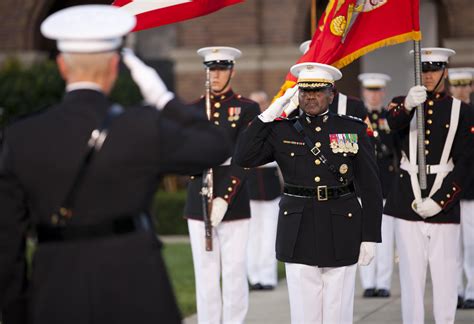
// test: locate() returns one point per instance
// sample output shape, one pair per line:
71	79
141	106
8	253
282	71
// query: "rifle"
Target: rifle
207	191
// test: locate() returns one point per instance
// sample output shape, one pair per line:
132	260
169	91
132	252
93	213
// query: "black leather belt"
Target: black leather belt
321	193
124	225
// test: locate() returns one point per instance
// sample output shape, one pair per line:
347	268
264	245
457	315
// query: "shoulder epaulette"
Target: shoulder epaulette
242	98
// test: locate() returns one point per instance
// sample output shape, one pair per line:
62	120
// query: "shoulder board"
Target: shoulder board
352	118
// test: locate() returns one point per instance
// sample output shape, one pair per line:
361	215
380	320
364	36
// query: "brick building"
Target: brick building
267	31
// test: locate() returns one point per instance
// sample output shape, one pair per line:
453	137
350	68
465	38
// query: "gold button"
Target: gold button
430	103
454	188
430	112
318	129
317	179
429	121
192	177
317	162
216	122
318	144
216	115
427	152
374	125
54	219
428	132
234	181
427	142
375	116
448	196
292	154
217	105
349	215
226	196
229	189
442	202
438	95
447	125
390	168
285	212
233	125
401	175
222	97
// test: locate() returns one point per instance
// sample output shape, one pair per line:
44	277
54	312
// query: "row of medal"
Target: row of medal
344	143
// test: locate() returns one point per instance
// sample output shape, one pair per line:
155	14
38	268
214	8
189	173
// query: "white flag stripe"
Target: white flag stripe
137	7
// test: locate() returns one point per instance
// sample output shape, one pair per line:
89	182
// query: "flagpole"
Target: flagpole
420	121
313	17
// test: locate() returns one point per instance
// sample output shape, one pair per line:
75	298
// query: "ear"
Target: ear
232	73
62	66
331	96
114	64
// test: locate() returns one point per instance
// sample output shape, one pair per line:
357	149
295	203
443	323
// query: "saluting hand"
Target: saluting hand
285	103
219	208
152	88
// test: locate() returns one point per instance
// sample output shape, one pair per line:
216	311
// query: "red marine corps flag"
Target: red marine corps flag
155	13
349	29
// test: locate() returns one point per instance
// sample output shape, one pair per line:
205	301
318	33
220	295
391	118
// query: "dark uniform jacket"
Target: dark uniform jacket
113	279
468	194
310	231
354	106
437	122
386	148
264	183
231	113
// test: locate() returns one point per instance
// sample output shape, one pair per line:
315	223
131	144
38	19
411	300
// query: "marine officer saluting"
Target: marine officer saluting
322	229
427	228
231	205
343	104
83	174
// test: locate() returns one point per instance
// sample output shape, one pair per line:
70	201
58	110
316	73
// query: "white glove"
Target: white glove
367	253
151	86
416	96
276	108
426	208
219	208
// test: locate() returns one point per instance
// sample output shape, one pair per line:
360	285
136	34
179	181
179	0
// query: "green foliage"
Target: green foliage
179	262
24	90
167	209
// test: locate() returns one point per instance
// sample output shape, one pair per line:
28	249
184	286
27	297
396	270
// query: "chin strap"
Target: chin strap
441	78
226	84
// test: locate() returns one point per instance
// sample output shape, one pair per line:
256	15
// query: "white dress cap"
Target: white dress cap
304	47
374	80
88	28
435	54
460	76
219	53
310	72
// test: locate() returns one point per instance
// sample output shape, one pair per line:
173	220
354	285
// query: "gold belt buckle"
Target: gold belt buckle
324	190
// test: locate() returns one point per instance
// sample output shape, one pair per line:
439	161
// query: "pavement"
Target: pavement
272	307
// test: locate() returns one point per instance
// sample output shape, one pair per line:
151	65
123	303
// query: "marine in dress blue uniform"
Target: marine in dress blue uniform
230	213
322	229
376	277
427	227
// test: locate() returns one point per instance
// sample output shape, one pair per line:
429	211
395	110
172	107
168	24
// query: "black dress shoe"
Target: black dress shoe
468	304
460	302
371	292
267	287
384	293
257	286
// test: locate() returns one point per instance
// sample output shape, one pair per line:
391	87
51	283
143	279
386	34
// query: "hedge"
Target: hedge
167	210
25	90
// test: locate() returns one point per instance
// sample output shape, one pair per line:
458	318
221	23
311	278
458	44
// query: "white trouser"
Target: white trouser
466	261
229	254
320	295
421	244
261	257
378	274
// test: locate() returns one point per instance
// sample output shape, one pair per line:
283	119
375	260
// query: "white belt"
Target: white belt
226	162
430	169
